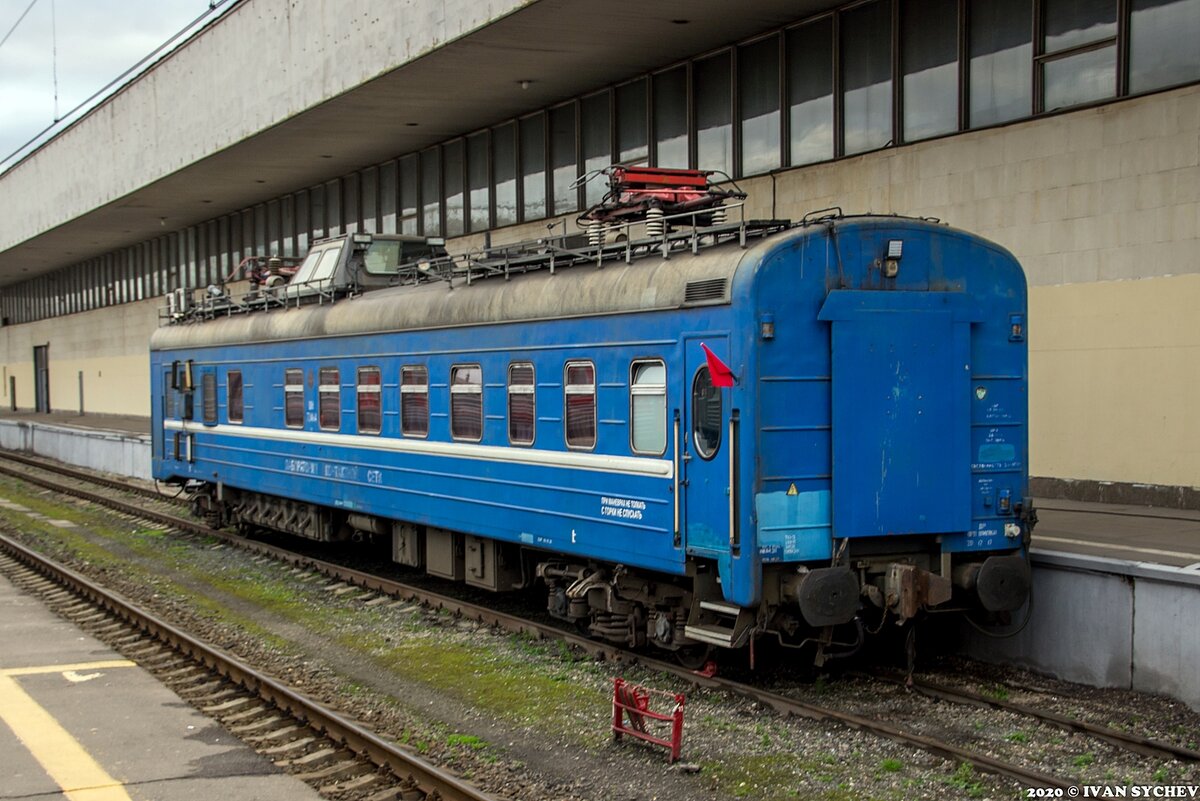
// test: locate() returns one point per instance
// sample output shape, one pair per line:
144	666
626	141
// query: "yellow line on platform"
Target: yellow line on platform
43	669
71	767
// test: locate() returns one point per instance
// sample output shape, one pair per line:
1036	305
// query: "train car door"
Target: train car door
41	378
704	451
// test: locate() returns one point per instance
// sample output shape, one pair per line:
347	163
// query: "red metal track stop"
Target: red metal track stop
633	700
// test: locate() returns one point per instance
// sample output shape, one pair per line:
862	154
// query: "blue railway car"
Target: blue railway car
526	424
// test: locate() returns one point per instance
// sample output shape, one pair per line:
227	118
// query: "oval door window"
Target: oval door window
706	414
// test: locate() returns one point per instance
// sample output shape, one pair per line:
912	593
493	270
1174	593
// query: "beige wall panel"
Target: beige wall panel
108	345
1114	381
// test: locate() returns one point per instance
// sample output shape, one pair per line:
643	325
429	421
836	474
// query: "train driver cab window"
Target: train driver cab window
293	398
370	417
648	407
579	392
329	389
208	390
414	400
520	403
233	396
706	414
466	402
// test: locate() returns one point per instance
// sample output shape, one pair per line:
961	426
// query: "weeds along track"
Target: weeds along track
782	702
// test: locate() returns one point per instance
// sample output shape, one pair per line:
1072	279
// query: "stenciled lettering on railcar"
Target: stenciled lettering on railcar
341	472
304	466
624	508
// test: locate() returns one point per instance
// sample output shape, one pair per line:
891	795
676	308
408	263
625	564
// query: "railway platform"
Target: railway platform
79	721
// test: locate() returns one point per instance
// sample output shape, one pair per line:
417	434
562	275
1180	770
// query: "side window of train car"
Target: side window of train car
579	399
706	414
648	407
233	396
466	402
370	416
520	403
208	391
329	393
414	400
293	397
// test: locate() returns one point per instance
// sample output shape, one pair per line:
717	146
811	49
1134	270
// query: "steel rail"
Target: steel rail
1129	742
780	703
433	781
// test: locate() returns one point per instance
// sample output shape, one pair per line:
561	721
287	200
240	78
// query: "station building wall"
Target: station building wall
110	347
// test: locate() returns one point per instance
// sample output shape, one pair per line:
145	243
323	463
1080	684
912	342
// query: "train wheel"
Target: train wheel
693	657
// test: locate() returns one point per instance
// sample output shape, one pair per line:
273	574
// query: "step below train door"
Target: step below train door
901	372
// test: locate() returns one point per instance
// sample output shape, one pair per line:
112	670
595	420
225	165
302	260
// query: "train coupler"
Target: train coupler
908	589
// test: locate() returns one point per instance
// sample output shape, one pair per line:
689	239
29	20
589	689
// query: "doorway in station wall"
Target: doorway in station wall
41	378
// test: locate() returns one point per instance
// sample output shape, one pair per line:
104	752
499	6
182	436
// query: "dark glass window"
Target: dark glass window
671	118
504	172
431	192
293	397
414	401
632	141
369	394
706	414
477	181
1001	49
389	193
234	407
563	162
1070	78
596	139
714	113
758	105
208	390
520	404
1080	78
1070	23
350	210
533	167
410	182
1162	43
333	215
866	49
929	38
466	402
452	186
648	407
329	392
810	91
579	394
369	183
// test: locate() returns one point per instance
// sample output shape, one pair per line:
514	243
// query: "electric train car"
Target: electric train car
796	431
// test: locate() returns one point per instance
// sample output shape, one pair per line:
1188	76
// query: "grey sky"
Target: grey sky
97	40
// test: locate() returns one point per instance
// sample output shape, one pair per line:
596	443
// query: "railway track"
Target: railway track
781	703
333	753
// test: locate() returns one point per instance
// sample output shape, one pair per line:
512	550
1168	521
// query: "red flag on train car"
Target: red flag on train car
722	376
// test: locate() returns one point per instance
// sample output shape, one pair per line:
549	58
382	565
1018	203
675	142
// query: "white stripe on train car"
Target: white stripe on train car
655	468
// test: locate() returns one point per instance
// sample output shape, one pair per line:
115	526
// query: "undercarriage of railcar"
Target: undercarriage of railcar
826	610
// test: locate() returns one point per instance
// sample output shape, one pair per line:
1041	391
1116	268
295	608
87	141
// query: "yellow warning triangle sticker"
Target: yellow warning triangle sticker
792	490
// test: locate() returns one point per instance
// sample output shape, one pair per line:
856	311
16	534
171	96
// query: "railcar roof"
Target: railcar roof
650	283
